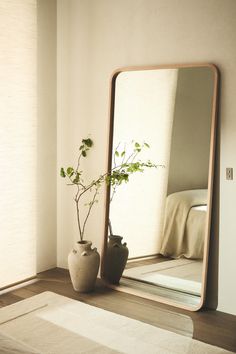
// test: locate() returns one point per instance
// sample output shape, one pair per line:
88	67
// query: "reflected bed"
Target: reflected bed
184	225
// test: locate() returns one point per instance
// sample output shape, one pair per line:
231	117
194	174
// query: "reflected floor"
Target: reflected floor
147	290
178	280
178	274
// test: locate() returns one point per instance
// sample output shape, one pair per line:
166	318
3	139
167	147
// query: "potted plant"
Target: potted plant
83	261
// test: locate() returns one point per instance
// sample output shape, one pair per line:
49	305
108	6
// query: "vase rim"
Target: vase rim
118	236
84	242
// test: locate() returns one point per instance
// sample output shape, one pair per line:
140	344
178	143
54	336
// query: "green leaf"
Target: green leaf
81	147
123	153
148	146
70	171
84	153
108	180
117	153
88	142
62	172
97	184
77	178
137	145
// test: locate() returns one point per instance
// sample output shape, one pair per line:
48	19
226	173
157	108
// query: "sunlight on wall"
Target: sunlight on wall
144	108
17	140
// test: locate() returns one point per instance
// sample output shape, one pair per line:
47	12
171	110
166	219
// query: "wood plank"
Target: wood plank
141	262
8	299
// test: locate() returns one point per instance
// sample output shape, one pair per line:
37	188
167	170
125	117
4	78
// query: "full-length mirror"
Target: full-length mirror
162	116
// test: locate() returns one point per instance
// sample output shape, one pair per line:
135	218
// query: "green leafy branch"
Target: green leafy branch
124	165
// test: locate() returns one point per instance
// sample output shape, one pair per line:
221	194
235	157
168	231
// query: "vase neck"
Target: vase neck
115	238
84	245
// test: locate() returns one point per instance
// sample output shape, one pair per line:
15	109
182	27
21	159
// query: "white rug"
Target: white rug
52	324
178	274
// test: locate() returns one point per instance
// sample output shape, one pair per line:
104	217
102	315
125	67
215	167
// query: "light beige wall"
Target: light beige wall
191	132
46	161
74	104
105	34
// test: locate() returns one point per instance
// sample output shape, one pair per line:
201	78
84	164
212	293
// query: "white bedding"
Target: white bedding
184	226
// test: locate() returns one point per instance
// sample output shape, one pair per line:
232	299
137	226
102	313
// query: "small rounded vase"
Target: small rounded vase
83	262
116	259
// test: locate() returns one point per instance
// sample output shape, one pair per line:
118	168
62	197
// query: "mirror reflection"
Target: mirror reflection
162	214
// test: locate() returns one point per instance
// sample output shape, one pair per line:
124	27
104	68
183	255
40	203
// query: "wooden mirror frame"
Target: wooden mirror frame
137	292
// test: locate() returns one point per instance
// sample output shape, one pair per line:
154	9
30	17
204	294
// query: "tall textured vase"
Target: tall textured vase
116	259
83	262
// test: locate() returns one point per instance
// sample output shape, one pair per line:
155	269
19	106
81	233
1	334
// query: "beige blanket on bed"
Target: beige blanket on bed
176	242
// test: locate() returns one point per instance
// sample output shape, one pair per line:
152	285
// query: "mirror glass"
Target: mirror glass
163	213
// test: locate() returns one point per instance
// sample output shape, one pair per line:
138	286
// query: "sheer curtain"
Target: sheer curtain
18	123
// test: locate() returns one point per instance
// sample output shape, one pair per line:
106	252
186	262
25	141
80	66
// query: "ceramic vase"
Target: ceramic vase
83	262
116	259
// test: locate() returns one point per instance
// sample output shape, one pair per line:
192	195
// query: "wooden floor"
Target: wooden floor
147	261
209	326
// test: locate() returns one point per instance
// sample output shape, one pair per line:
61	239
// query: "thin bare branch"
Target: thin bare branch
110	227
113	193
78	219
114	155
78	163
89	210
